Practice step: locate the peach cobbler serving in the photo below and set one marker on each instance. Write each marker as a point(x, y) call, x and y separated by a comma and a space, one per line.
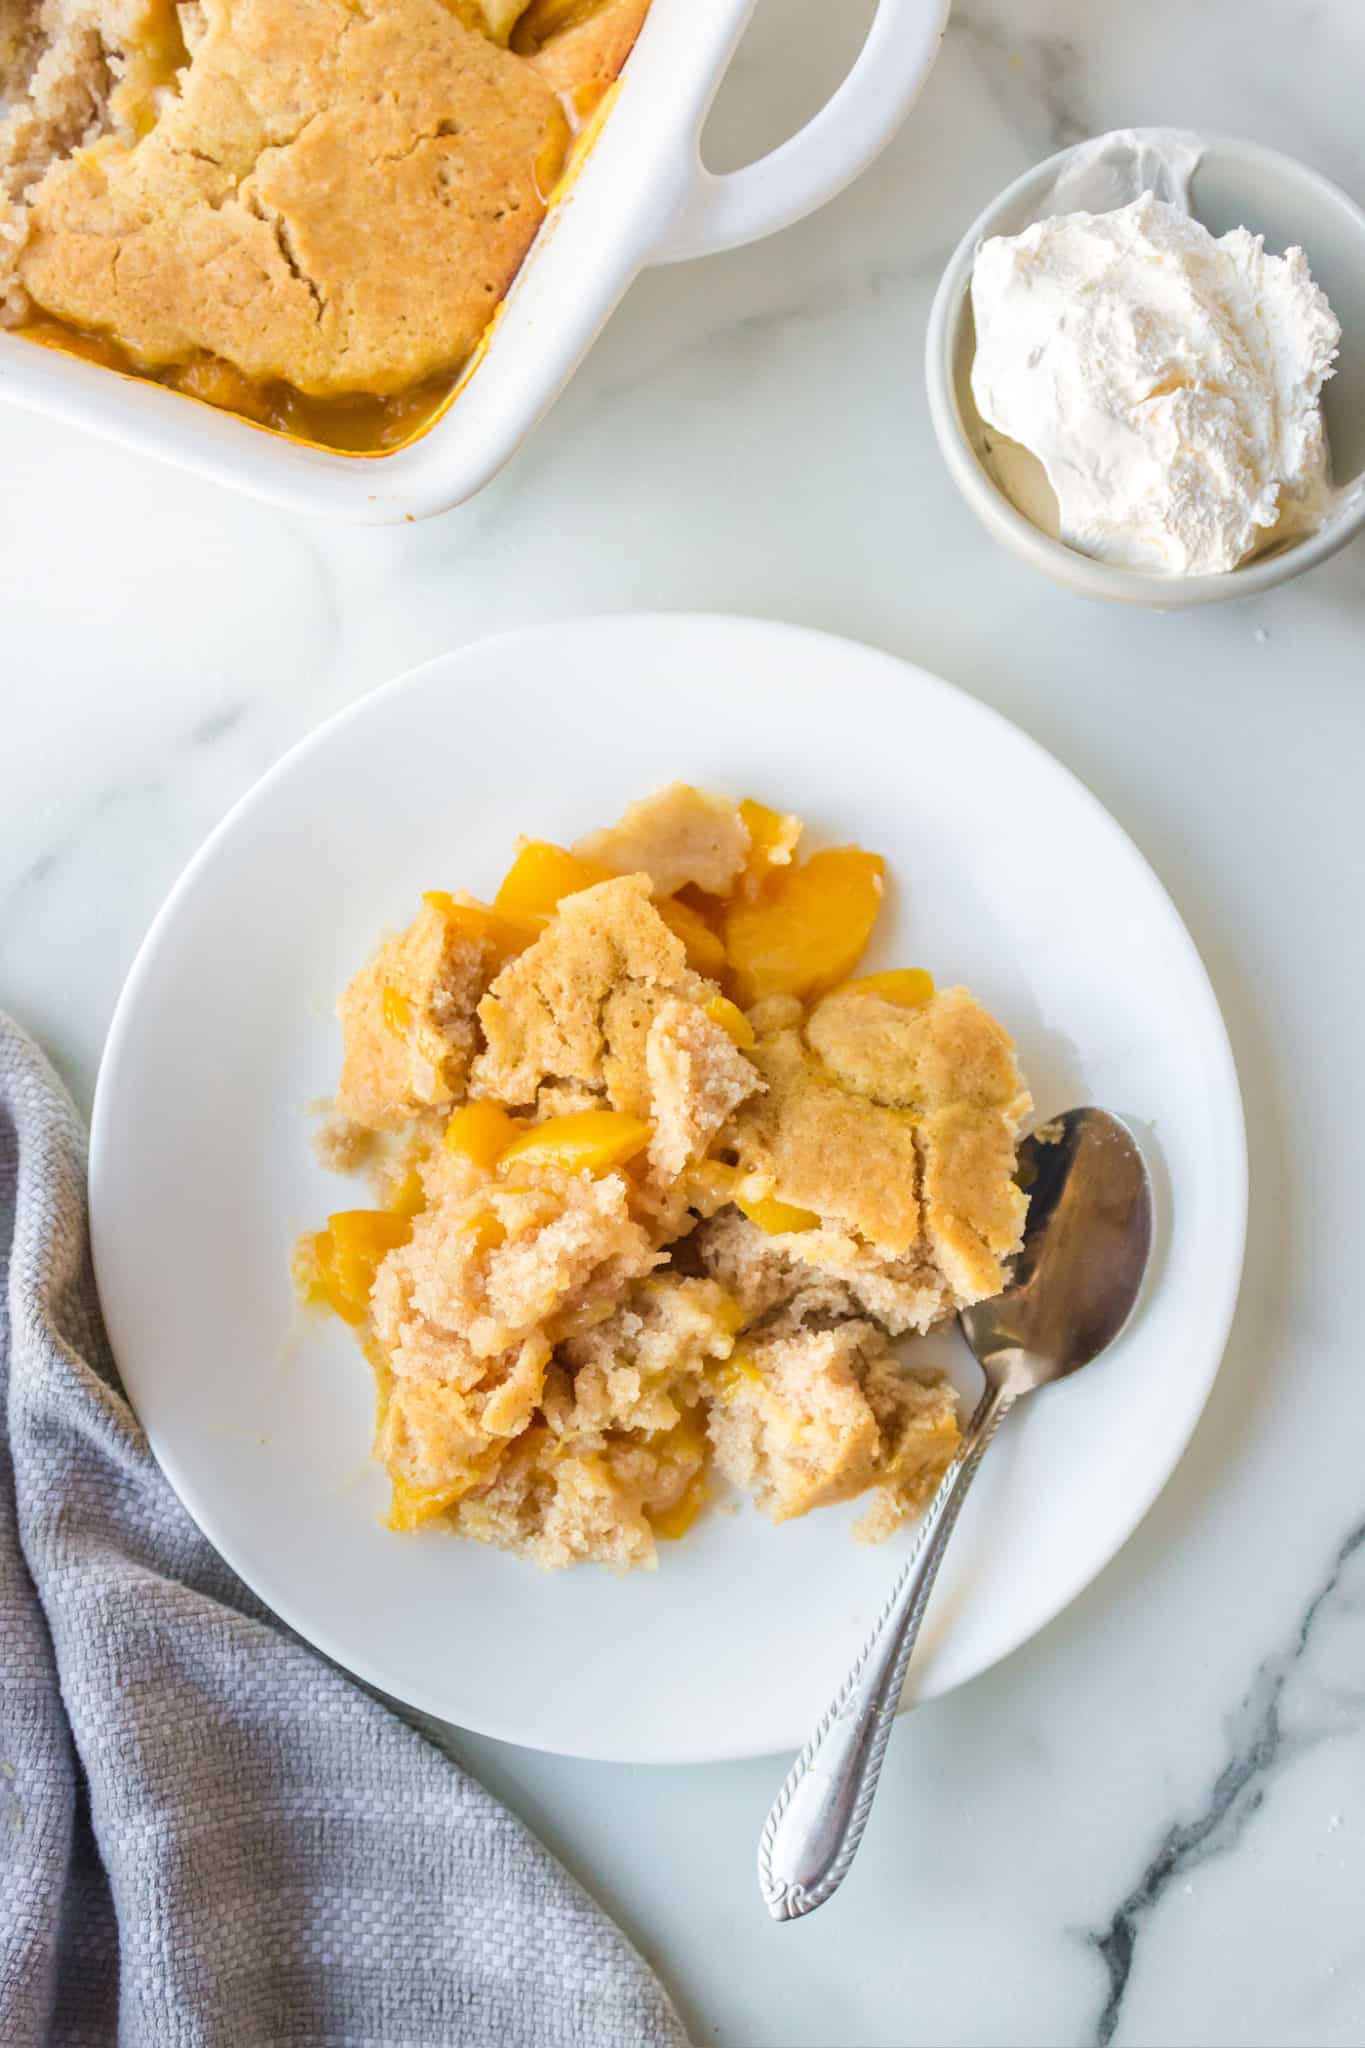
point(657, 1178)
point(305, 211)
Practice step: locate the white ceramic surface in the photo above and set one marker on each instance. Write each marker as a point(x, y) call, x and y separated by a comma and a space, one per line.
point(261, 1418)
point(1237, 184)
point(643, 195)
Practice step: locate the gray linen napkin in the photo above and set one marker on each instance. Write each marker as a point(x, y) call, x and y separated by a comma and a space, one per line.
point(208, 1835)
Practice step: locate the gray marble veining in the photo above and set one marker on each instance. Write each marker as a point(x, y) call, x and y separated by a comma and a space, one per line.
point(1291, 1701)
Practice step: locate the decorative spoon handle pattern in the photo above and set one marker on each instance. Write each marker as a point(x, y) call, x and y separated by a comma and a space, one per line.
point(811, 1836)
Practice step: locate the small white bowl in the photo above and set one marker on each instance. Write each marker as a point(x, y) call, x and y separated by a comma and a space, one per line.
point(1237, 184)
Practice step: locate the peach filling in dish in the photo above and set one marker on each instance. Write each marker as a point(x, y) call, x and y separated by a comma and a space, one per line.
point(657, 1178)
point(306, 212)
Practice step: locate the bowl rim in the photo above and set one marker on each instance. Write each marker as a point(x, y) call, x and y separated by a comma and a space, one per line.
point(1064, 564)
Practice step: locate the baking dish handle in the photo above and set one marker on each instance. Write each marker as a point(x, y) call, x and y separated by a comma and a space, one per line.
point(721, 212)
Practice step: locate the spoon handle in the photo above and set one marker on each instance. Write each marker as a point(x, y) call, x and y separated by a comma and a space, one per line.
point(812, 1834)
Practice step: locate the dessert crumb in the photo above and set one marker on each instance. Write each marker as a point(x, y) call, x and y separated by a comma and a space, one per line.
point(341, 1145)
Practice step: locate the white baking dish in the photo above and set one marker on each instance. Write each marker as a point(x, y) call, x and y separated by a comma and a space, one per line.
point(643, 196)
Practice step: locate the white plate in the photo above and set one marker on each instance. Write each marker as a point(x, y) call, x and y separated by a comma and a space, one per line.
point(1007, 875)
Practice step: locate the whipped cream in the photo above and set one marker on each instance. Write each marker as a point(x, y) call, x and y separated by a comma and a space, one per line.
point(1168, 381)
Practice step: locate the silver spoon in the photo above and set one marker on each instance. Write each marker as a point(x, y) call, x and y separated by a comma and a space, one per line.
point(1086, 1246)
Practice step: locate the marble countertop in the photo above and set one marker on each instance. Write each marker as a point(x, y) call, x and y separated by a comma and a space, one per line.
point(1147, 1827)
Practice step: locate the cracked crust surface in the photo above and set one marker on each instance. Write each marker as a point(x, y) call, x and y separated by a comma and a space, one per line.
point(919, 1057)
point(408, 1024)
point(678, 835)
point(896, 1127)
point(576, 1007)
point(950, 1065)
point(338, 198)
point(697, 1077)
point(587, 55)
point(849, 1161)
point(329, 194)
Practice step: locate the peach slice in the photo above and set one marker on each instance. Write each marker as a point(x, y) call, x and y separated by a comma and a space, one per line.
point(776, 1217)
point(772, 843)
point(808, 929)
point(481, 1132)
point(589, 1141)
point(507, 935)
point(348, 1254)
point(909, 988)
point(540, 875)
point(705, 952)
point(731, 1020)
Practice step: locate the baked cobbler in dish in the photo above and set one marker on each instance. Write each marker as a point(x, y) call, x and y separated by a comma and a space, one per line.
point(306, 211)
point(657, 1180)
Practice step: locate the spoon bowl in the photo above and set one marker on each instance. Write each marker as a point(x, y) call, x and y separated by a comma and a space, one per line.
point(1086, 1245)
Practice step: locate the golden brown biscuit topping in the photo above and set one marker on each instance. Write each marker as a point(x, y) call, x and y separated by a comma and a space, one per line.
point(306, 211)
point(338, 197)
point(634, 1235)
